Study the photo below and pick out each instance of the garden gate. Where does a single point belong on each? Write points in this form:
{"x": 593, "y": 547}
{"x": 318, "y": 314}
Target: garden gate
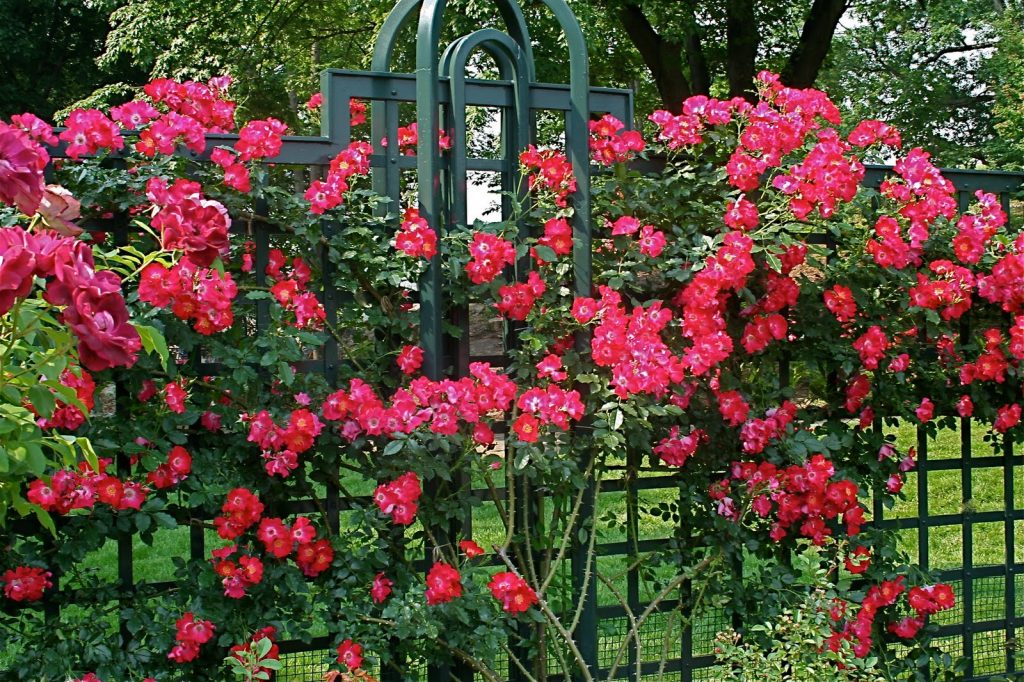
{"x": 990, "y": 577}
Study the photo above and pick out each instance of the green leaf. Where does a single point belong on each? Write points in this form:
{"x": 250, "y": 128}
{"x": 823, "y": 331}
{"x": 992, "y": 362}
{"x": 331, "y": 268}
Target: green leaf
{"x": 393, "y": 448}
{"x": 546, "y": 253}
{"x": 143, "y": 522}
{"x": 42, "y": 399}
{"x": 153, "y": 342}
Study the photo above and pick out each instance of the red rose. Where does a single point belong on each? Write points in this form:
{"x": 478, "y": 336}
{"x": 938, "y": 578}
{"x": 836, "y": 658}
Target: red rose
{"x": 99, "y": 318}
{"x": 21, "y": 169}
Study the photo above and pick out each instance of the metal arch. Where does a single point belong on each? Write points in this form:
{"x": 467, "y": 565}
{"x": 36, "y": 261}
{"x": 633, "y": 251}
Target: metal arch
{"x": 577, "y": 141}
{"x": 511, "y": 14}
{"x": 512, "y": 66}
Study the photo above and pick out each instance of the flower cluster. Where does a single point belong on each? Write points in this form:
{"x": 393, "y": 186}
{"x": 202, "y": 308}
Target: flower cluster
{"x": 757, "y": 433}
{"x": 69, "y": 417}
{"x": 553, "y": 405}
{"x": 704, "y": 298}
{"x": 281, "y": 445}
{"x": 236, "y": 576}
{"x": 443, "y": 584}
{"x": 260, "y": 139}
{"x": 803, "y": 497}
{"x": 202, "y": 295}
{"x": 324, "y": 195}
{"x": 609, "y": 143}
{"x": 489, "y": 254}
{"x": 397, "y": 499}
{"x": 549, "y": 169}
{"x": 242, "y": 509}
{"x": 191, "y": 634}
{"x": 21, "y": 172}
{"x": 291, "y": 293}
{"x": 188, "y": 221}
{"x": 516, "y": 300}
{"x": 89, "y": 130}
{"x": 440, "y": 405}
{"x": 26, "y": 583}
{"x": 514, "y": 593}
{"x": 631, "y": 344}
{"x": 675, "y": 449}
{"x": 69, "y": 489}
{"x": 94, "y": 307}
{"x": 172, "y": 472}
{"x": 415, "y": 237}
{"x": 557, "y": 237}
{"x": 698, "y": 112}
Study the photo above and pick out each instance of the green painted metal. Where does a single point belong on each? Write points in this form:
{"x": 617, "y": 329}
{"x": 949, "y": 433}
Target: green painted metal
{"x": 441, "y": 90}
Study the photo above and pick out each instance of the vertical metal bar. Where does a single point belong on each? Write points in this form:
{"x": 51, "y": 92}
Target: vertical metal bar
{"x": 633, "y": 552}
{"x": 967, "y": 591}
{"x": 1010, "y": 538}
{"x": 922, "y": 498}
{"x": 967, "y": 524}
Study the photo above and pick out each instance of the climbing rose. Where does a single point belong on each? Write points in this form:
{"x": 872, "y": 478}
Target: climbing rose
{"x": 443, "y": 584}
{"x": 513, "y": 592}
{"x": 191, "y": 634}
{"x": 381, "y": 588}
{"x": 26, "y": 583}
{"x": 415, "y": 238}
{"x": 470, "y": 549}
{"x": 410, "y": 359}
{"x": 350, "y": 654}
{"x": 398, "y": 498}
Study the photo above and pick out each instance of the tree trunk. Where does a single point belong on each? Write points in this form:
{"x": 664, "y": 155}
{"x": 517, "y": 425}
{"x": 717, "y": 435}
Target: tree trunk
{"x": 809, "y": 54}
{"x": 664, "y": 58}
{"x": 742, "y": 39}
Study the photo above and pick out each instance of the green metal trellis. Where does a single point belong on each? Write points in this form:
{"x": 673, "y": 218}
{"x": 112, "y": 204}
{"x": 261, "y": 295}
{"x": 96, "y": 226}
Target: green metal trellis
{"x": 441, "y": 93}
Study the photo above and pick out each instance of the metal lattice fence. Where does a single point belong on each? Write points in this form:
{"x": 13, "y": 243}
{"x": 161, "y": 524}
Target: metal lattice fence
{"x": 989, "y": 578}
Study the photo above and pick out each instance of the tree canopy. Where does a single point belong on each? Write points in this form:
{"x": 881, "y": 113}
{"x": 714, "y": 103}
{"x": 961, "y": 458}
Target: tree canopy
{"x": 947, "y": 72}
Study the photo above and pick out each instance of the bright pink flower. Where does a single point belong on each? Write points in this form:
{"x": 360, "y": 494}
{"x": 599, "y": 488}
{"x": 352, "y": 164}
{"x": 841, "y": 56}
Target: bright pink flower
{"x": 260, "y": 139}
{"x": 350, "y": 654}
{"x": 381, "y": 588}
{"x": 416, "y": 238}
{"x": 410, "y": 359}
{"x": 489, "y": 254}
{"x": 925, "y": 411}
{"x": 443, "y": 584}
{"x": 89, "y": 130}
{"x": 470, "y": 549}
{"x": 514, "y": 593}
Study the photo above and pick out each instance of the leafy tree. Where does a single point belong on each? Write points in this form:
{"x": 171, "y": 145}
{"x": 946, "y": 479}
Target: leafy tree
{"x": 932, "y": 69}
{"x": 50, "y": 47}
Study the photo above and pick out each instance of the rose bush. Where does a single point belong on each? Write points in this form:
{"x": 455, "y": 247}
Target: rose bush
{"x": 708, "y": 273}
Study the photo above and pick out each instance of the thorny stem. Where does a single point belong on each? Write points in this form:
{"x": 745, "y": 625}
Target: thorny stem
{"x": 519, "y": 664}
{"x": 634, "y": 631}
{"x": 669, "y": 628}
{"x": 665, "y": 591}
{"x": 569, "y": 524}
{"x": 589, "y": 569}
{"x": 553, "y": 619}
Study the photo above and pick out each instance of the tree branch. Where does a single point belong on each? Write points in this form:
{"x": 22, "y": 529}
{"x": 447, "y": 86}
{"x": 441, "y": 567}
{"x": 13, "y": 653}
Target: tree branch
{"x": 663, "y": 57}
{"x": 815, "y": 40}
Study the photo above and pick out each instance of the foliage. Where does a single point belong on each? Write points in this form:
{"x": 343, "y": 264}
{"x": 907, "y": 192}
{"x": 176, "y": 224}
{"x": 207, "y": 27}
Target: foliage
{"x": 706, "y": 277}
{"x": 938, "y": 71}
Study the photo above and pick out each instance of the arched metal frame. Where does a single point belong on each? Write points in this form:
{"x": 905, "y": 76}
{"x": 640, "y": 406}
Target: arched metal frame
{"x": 442, "y": 93}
